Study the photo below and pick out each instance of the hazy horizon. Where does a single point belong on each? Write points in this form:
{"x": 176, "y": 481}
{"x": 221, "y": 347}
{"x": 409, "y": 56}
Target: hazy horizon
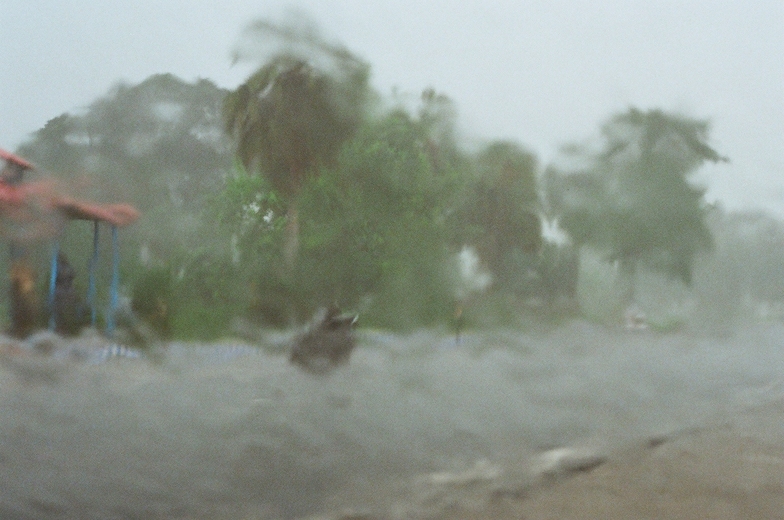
{"x": 543, "y": 75}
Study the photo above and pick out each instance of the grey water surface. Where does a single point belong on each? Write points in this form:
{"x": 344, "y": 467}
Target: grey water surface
{"x": 232, "y": 430}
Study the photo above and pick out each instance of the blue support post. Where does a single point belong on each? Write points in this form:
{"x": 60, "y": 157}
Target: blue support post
{"x": 93, "y": 267}
{"x": 52, "y": 285}
{"x": 115, "y": 288}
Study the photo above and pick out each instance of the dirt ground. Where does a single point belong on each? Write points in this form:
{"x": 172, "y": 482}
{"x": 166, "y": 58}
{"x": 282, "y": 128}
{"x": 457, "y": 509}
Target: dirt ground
{"x": 725, "y": 471}
{"x": 715, "y": 475}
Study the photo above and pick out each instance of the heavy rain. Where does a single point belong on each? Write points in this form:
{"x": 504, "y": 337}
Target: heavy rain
{"x": 302, "y": 296}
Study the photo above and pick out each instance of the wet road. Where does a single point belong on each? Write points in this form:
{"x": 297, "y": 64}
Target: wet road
{"x": 234, "y": 431}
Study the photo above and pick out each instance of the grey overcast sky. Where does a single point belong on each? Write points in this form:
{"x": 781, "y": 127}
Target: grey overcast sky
{"x": 544, "y": 72}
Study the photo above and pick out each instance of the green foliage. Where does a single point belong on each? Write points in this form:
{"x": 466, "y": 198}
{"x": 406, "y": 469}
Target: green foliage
{"x": 635, "y": 202}
{"x": 744, "y": 276}
{"x": 158, "y": 145}
{"x": 209, "y": 291}
{"x": 290, "y": 118}
{"x": 377, "y": 205}
{"x": 155, "y": 143}
{"x": 386, "y": 187}
{"x": 152, "y": 298}
{"x": 372, "y": 233}
{"x": 52, "y": 147}
{"x": 498, "y": 213}
{"x": 598, "y": 293}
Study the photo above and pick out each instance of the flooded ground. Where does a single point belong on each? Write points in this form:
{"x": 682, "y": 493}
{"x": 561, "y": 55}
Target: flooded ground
{"x": 232, "y": 431}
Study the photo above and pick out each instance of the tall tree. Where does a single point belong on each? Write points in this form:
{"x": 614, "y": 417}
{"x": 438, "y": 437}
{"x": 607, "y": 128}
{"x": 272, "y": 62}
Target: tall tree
{"x": 372, "y": 235}
{"x": 292, "y": 115}
{"x": 500, "y": 213}
{"x": 158, "y": 145}
{"x": 636, "y": 201}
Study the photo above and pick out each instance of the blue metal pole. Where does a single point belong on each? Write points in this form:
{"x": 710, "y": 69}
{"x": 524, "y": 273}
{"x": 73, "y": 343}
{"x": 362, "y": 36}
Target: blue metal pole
{"x": 115, "y": 288}
{"x": 52, "y": 285}
{"x": 93, "y": 266}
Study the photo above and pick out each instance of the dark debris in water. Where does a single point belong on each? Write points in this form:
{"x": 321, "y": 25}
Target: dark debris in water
{"x": 326, "y": 344}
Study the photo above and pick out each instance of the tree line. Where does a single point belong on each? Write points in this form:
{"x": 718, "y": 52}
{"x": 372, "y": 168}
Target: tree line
{"x": 303, "y": 187}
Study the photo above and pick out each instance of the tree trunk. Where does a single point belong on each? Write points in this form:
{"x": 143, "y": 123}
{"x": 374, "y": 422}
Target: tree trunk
{"x": 290, "y": 250}
{"x": 291, "y": 236}
{"x": 627, "y": 276}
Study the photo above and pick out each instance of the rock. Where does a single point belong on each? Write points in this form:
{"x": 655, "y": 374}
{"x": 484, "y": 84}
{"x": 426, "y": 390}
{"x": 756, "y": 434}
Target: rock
{"x": 326, "y": 344}
{"x": 560, "y": 462}
{"x": 482, "y": 470}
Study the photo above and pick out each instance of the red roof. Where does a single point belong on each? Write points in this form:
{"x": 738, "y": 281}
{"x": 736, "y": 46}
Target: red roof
{"x": 115, "y": 214}
{"x": 10, "y": 195}
{"x": 44, "y": 195}
{"x": 15, "y": 159}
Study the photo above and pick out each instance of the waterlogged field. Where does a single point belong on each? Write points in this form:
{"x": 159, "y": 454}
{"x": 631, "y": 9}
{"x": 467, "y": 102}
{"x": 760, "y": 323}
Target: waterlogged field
{"x": 233, "y": 431}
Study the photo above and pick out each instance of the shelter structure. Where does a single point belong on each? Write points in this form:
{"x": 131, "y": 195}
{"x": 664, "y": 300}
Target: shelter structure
{"x": 40, "y": 211}
{"x": 15, "y": 166}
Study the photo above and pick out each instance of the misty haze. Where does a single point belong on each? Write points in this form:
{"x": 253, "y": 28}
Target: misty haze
{"x": 304, "y": 297}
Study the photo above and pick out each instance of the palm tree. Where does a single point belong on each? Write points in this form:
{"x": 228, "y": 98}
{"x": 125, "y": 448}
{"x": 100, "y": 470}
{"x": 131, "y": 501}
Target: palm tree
{"x": 291, "y": 116}
{"x": 502, "y": 210}
{"x": 636, "y": 201}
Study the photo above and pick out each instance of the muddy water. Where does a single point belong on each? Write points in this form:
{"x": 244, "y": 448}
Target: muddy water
{"x": 234, "y": 431}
